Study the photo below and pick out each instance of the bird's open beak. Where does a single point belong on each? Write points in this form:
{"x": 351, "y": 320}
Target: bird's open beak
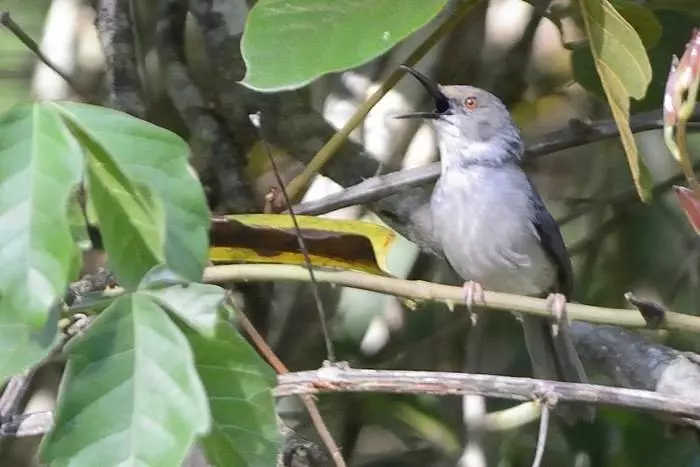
{"x": 441, "y": 102}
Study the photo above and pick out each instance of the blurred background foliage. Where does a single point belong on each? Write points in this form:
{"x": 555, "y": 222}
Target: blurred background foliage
{"x": 545, "y": 74}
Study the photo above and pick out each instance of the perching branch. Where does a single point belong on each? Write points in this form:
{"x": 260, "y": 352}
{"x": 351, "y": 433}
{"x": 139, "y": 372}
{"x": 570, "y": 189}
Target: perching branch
{"x": 422, "y": 290}
{"x": 334, "y": 379}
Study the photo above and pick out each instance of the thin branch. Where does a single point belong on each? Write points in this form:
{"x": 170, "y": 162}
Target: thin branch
{"x": 337, "y": 380}
{"x": 542, "y": 437}
{"x": 307, "y": 400}
{"x": 423, "y": 290}
{"x": 330, "y": 353}
{"x": 7, "y": 21}
{"x": 381, "y": 186}
{"x": 331, "y": 147}
{"x": 371, "y": 189}
{"x": 30, "y": 424}
{"x": 12, "y": 396}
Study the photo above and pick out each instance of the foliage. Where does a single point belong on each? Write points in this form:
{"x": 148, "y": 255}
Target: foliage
{"x": 141, "y": 379}
{"x": 162, "y": 366}
{"x": 287, "y": 43}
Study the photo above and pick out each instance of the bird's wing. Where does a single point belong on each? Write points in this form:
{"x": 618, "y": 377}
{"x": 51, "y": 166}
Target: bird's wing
{"x": 552, "y": 243}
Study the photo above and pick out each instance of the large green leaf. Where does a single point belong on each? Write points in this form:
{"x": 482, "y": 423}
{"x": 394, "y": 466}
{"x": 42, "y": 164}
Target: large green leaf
{"x": 40, "y": 163}
{"x": 130, "y": 393}
{"x": 156, "y": 158}
{"x": 289, "y": 43}
{"x": 624, "y": 70}
{"x": 239, "y": 385}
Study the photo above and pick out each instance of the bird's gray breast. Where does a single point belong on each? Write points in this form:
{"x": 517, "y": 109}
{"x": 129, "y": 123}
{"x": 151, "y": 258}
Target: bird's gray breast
{"x": 482, "y": 217}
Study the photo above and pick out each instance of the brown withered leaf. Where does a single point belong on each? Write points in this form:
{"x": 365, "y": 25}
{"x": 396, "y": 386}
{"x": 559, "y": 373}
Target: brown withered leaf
{"x": 271, "y": 238}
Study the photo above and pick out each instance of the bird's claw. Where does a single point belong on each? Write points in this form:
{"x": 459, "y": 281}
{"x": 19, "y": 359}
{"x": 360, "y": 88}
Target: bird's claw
{"x": 473, "y": 292}
{"x": 556, "y": 304}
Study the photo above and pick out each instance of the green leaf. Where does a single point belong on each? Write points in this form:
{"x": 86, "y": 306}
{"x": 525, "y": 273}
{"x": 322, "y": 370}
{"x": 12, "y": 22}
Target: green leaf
{"x": 239, "y": 385}
{"x": 158, "y": 159}
{"x": 130, "y": 394}
{"x": 624, "y": 70}
{"x": 40, "y": 163}
{"x": 642, "y": 19}
{"x": 196, "y": 304}
{"x": 677, "y": 28}
{"x": 22, "y": 347}
{"x": 289, "y": 43}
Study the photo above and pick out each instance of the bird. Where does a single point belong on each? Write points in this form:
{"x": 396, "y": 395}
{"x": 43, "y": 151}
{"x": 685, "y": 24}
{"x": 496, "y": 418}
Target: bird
{"x": 492, "y": 225}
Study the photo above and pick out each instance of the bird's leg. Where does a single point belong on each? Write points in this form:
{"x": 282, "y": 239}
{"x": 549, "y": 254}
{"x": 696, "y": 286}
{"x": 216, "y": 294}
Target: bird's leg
{"x": 473, "y": 291}
{"x": 556, "y": 305}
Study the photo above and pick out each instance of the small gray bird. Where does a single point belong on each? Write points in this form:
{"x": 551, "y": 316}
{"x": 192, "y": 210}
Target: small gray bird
{"x": 491, "y": 223}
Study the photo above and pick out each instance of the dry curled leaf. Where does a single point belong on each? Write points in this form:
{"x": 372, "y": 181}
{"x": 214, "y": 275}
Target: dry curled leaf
{"x": 271, "y": 238}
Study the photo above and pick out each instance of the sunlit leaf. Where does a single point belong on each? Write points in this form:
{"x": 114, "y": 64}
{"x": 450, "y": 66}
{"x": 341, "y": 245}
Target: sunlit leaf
{"x": 239, "y": 385}
{"x": 624, "y": 70}
{"x": 270, "y": 238}
{"x": 40, "y": 164}
{"x": 642, "y": 19}
{"x": 130, "y": 394}
{"x": 289, "y": 43}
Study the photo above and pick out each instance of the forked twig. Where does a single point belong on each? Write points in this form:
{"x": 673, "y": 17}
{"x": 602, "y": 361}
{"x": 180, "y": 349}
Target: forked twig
{"x": 306, "y": 399}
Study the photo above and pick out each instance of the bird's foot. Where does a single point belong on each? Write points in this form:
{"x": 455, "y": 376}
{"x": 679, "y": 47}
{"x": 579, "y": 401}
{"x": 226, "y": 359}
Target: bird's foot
{"x": 473, "y": 292}
{"x": 556, "y": 304}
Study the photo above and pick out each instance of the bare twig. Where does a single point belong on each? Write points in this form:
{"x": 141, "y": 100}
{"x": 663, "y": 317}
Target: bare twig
{"x": 542, "y": 436}
{"x": 335, "y": 379}
{"x": 422, "y": 290}
{"x": 12, "y": 396}
{"x": 371, "y": 189}
{"x": 330, "y": 353}
{"x": 331, "y": 147}
{"x": 307, "y": 400}
{"x": 7, "y": 21}
{"x": 31, "y": 424}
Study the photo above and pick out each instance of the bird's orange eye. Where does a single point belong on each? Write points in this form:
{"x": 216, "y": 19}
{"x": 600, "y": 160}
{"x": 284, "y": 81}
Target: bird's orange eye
{"x": 470, "y": 103}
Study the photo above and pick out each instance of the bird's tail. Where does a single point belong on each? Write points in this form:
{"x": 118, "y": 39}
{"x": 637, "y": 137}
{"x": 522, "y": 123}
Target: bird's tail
{"x": 554, "y": 357}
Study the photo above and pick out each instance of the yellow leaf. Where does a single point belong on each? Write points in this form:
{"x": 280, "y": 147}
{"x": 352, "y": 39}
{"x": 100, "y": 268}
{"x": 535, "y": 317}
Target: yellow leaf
{"x": 624, "y": 69}
{"x": 270, "y": 238}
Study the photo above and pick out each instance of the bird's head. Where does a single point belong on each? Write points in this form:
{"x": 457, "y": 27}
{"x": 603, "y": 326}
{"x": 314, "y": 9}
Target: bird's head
{"x": 472, "y": 124}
